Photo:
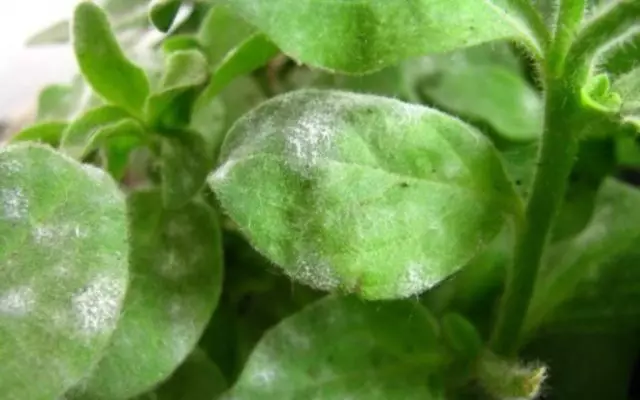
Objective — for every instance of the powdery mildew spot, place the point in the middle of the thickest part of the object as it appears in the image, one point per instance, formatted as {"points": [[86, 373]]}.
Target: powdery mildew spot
{"points": [[316, 273], [17, 302], [222, 173], [15, 204], [10, 167], [56, 234], [96, 307], [414, 279]]}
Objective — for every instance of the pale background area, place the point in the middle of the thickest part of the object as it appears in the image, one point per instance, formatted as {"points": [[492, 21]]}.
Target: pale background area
{"points": [[24, 71]]}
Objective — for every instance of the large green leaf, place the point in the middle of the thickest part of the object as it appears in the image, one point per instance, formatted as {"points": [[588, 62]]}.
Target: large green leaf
{"points": [[176, 281], [103, 63], [367, 35], [63, 270], [362, 193], [341, 348]]}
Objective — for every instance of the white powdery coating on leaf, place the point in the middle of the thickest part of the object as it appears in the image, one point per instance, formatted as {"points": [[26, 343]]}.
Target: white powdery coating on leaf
{"points": [[17, 302], [222, 173], [262, 371], [316, 273], [10, 167], [97, 306], [414, 279], [15, 205], [56, 234]]}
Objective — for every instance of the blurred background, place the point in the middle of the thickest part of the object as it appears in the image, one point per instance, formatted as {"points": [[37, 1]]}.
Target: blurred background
{"points": [[24, 71]]}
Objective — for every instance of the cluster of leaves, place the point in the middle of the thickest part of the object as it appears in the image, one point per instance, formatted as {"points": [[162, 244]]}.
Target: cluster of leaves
{"points": [[292, 199]]}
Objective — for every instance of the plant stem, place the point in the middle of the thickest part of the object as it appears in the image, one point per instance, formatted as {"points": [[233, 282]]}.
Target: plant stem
{"points": [[557, 154], [569, 19]]}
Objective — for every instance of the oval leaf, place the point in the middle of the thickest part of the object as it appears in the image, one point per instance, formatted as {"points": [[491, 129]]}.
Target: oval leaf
{"points": [[63, 274], [363, 193], [176, 281], [45, 132], [341, 348], [221, 31], [103, 63], [367, 35]]}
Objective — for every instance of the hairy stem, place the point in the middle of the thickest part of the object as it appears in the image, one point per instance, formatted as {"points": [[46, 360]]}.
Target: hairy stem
{"points": [[570, 16], [614, 21], [557, 154]]}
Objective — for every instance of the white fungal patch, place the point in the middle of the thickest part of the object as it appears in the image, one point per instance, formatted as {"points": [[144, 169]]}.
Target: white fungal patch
{"points": [[414, 279], [17, 302], [173, 266], [316, 273], [10, 167], [94, 173], [52, 235], [222, 173], [96, 307], [15, 205], [264, 374]]}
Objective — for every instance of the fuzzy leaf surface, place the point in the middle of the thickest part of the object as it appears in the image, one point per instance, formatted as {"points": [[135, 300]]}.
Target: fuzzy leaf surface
{"points": [[362, 193], [63, 269]]}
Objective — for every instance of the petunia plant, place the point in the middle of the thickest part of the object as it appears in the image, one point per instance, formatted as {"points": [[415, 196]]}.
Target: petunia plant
{"points": [[328, 200]]}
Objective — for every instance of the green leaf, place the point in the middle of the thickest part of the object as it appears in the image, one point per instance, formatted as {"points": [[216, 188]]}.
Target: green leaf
{"points": [[45, 132], [57, 33], [196, 379], [461, 336], [103, 63], [342, 348], [77, 138], [180, 42], [59, 102], [63, 245], [365, 36], [163, 13], [623, 56], [170, 106], [117, 141], [628, 87], [213, 115], [251, 54], [186, 162], [491, 93], [590, 283], [362, 193], [176, 269], [221, 32]]}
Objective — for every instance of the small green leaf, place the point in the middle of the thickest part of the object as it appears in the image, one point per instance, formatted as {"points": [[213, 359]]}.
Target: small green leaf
{"points": [[170, 106], [251, 54], [368, 35], [80, 133], [163, 13], [221, 32], [103, 63], [179, 43], [45, 132], [57, 33], [186, 161], [491, 93], [342, 348], [198, 378], [362, 193], [117, 140], [59, 102], [176, 270], [63, 245], [623, 56]]}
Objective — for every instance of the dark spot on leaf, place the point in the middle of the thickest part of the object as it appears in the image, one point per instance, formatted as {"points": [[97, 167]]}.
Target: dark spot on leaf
{"points": [[518, 182], [404, 185]]}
